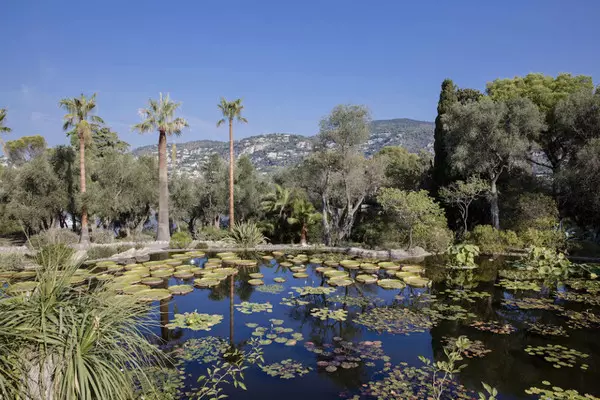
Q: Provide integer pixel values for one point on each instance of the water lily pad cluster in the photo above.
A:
(451, 312)
(494, 327)
(539, 328)
(475, 349)
(518, 274)
(286, 369)
(559, 356)
(590, 286)
(205, 350)
(195, 321)
(326, 313)
(406, 382)
(275, 333)
(587, 298)
(347, 355)
(400, 321)
(470, 296)
(272, 289)
(581, 320)
(556, 392)
(530, 303)
(246, 307)
(519, 285)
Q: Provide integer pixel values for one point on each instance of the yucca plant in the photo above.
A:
(246, 235)
(58, 342)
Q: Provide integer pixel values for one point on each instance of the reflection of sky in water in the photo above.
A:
(507, 367)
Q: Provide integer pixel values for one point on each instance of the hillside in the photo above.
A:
(273, 150)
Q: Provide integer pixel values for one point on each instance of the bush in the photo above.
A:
(180, 240)
(212, 233)
(492, 240)
(534, 210)
(139, 237)
(246, 235)
(549, 238)
(102, 236)
(11, 261)
(433, 238)
(201, 246)
(56, 254)
(97, 252)
(53, 236)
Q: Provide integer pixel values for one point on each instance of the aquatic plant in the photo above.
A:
(228, 371)
(465, 295)
(181, 289)
(391, 284)
(313, 290)
(581, 320)
(474, 348)
(399, 321)
(347, 355)
(205, 350)
(275, 333)
(279, 279)
(286, 369)
(519, 285)
(272, 289)
(256, 282)
(494, 327)
(559, 356)
(558, 393)
(325, 313)
(463, 255)
(531, 303)
(548, 263)
(195, 321)
(546, 329)
(246, 307)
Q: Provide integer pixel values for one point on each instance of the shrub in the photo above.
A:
(212, 233)
(534, 210)
(53, 236)
(11, 261)
(201, 246)
(102, 236)
(180, 240)
(246, 234)
(434, 238)
(97, 252)
(550, 238)
(56, 254)
(492, 240)
(139, 237)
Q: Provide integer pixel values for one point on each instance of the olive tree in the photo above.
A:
(337, 175)
(489, 138)
(462, 194)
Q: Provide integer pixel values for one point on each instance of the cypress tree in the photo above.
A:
(441, 166)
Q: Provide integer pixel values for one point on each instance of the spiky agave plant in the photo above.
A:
(58, 342)
(246, 235)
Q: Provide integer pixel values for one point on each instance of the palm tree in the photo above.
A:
(3, 128)
(304, 214)
(277, 201)
(79, 116)
(159, 116)
(231, 110)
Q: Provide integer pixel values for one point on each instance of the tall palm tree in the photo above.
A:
(277, 201)
(231, 110)
(3, 128)
(303, 214)
(79, 117)
(159, 116)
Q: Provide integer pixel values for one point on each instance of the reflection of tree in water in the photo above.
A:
(241, 286)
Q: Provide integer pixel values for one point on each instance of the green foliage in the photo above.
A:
(404, 170)
(418, 214)
(551, 238)
(98, 252)
(53, 236)
(180, 240)
(286, 369)
(491, 393)
(325, 313)
(109, 333)
(490, 240)
(557, 393)
(246, 235)
(24, 149)
(462, 193)
(11, 261)
(212, 233)
(463, 255)
(195, 321)
(102, 236)
(548, 263)
(54, 254)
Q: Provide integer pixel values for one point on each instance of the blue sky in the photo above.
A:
(291, 61)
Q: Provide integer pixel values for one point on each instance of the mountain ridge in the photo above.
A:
(273, 150)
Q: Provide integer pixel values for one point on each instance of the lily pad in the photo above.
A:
(256, 275)
(246, 307)
(153, 294)
(183, 274)
(366, 279)
(286, 369)
(206, 282)
(350, 264)
(256, 282)
(153, 281)
(391, 284)
(340, 281)
(388, 265)
(195, 321)
(133, 289)
(416, 281)
(279, 279)
(300, 275)
(413, 268)
(181, 289)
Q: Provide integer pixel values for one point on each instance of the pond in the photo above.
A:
(523, 335)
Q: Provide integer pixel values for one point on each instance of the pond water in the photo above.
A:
(506, 327)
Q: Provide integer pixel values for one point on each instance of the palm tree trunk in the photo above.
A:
(494, 209)
(163, 190)
(85, 236)
(231, 166)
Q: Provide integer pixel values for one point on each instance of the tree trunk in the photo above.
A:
(85, 236)
(494, 205)
(303, 234)
(231, 166)
(326, 227)
(163, 190)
